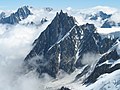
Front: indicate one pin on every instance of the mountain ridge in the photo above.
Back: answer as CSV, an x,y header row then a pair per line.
x,y
54,49
19,15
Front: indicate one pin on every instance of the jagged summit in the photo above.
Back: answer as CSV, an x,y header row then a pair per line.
x,y
62,45
47,41
59,26
23,12
19,15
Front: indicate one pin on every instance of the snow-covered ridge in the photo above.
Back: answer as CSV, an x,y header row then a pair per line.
x,y
82,16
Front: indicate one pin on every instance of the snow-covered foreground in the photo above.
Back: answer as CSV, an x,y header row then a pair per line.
x,y
107,82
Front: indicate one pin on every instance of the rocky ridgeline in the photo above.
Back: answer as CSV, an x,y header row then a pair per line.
x,y
14,18
62,45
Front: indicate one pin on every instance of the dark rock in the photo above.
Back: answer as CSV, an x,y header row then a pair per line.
x,y
43,20
14,18
58,28
100,14
104,65
108,24
48,9
88,42
64,88
57,46
2,15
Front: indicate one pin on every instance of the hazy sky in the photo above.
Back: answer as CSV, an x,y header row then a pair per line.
x,y
14,4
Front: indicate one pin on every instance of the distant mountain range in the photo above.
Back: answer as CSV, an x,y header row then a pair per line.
x,y
100,16
14,18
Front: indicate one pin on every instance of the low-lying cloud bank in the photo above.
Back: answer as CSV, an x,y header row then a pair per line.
x,y
15,43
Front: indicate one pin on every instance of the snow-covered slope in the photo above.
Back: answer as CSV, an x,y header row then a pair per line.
x,y
16,41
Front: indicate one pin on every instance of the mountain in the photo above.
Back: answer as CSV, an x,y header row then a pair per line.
x,y
2,15
48,9
110,24
108,63
63,44
76,50
14,18
101,15
64,88
46,44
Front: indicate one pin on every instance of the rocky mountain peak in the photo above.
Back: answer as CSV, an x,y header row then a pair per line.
x,y
59,44
62,45
60,25
19,15
23,12
47,45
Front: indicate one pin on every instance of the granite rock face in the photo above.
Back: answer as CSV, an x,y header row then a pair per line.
x,y
47,44
62,45
108,63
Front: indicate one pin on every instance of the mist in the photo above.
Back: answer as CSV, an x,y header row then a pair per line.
x,y
15,43
90,58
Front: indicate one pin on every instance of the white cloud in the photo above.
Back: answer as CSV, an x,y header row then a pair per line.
x,y
116,17
15,43
90,58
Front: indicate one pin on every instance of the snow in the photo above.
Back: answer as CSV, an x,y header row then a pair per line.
x,y
62,38
106,9
66,34
108,30
59,58
104,82
7,12
116,62
20,38
107,82
67,81
107,62
77,56
115,17
118,49
38,15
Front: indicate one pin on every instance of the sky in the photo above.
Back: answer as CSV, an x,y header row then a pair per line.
x,y
14,4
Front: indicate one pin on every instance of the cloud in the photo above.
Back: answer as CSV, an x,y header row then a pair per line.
x,y
15,43
90,58
115,17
